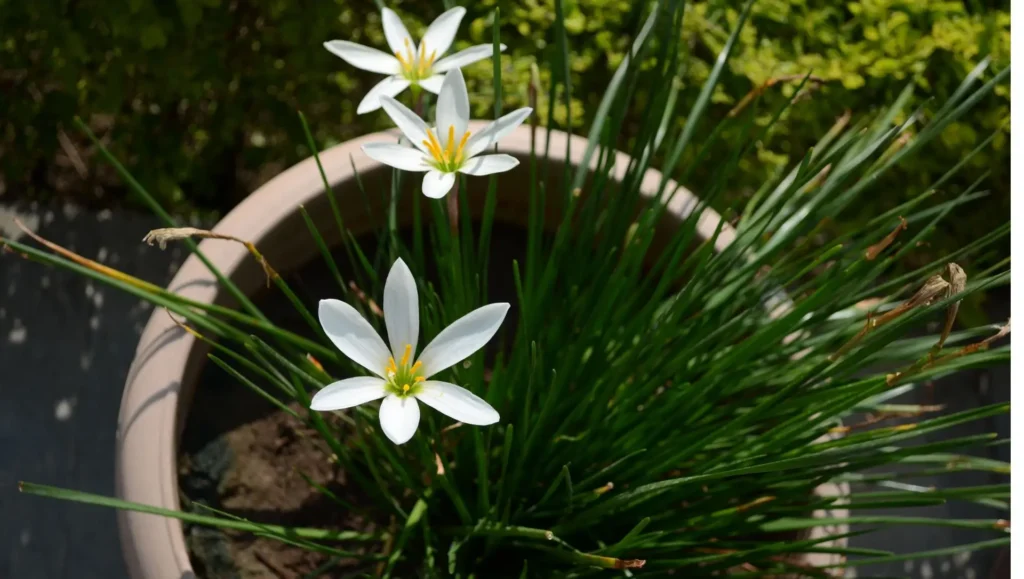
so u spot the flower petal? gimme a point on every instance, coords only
(390, 86)
(441, 33)
(437, 184)
(433, 84)
(487, 164)
(364, 57)
(401, 157)
(411, 125)
(401, 309)
(457, 402)
(399, 418)
(492, 133)
(394, 31)
(459, 340)
(464, 57)
(452, 107)
(348, 393)
(354, 336)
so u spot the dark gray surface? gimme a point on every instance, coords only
(65, 347)
(963, 391)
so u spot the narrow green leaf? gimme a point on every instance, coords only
(222, 523)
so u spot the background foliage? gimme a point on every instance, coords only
(199, 96)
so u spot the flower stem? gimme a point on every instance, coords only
(417, 100)
(453, 209)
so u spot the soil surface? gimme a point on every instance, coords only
(243, 456)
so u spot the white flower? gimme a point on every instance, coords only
(448, 148)
(404, 382)
(411, 64)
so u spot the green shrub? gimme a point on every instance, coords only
(200, 95)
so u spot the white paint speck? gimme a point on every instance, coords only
(85, 361)
(70, 211)
(101, 255)
(97, 299)
(64, 408)
(961, 559)
(26, 536)
(104, 215)
(89, 290)
(11, 231)
(970, 573)
(44, 281)
(18, 333)
(926, 570)
(94, 323)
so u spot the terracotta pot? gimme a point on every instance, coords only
(167, 362)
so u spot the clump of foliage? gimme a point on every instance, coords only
(202, 95)
(666, 407)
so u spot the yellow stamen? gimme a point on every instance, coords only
(430, 59)
(416, 366)
(422, 61)
(462, 146)
(434, 147)
(405, 388)
(405, 356)
(449, 151)
(420, 379)
(391, 365)
(430, 147)
(401, 60)
(408, 50)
